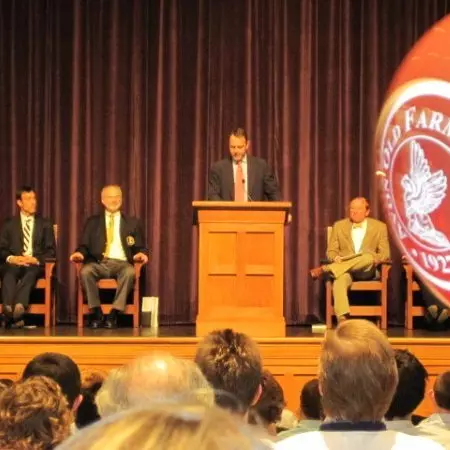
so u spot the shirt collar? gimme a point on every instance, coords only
(24, 217)
(108, 214)
(362, 224)
(243, 160)
(342, 425)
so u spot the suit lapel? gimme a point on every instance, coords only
(229, 177)
(123, 232)
(36, 232)
(347, 231)
(19, 235)
(250, 175)
(102, 230)
(367, 235)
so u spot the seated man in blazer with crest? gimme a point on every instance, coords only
(111, 242)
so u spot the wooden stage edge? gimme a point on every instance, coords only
(293, 359)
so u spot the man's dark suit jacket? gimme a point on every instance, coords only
(11, 239)
(262, 184)
(93, 241)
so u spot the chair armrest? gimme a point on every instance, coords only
(137, 269)
(49, 266)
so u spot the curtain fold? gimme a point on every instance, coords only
(144, 93)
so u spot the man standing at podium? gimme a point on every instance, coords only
(242, 177)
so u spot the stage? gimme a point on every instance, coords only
(292, 359)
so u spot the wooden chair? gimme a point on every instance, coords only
(376, 285)
(412, 286)
(110, 283)
(48, 308)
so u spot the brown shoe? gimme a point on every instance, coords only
(317, 272)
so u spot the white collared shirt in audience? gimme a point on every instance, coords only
(402, 425)
(436, 427)
(356, 440)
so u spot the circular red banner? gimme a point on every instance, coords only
(413, 149)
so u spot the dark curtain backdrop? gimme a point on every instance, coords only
(144, 93)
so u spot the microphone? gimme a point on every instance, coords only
(249, 197)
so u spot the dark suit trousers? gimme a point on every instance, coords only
(122, 271)
(17, 283)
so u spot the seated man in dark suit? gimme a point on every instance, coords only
(242, 177)
(111, 242)
(26, 241)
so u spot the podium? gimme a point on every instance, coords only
(241, 256)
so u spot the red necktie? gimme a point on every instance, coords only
(239, 191)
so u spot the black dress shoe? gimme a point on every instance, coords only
(96, 323)
(19, 311)
(111, 323)
(111, 320)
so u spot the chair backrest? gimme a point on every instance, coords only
(329, 231)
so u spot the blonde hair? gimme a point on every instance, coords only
(357, 372)
(34, 415)
(168, 426)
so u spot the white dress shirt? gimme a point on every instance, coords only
(116, 250)
(358, 234)
(356, 440)
(244, 173)
(437, 428)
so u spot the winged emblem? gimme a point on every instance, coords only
(423, 193)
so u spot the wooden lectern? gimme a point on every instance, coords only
(241, 256)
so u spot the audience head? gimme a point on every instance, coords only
(412, 380)
(162, 377)
(112, 396)
(441, 392)
(112, 198)
(238, 144)
(26, 200)
(311, 401)
(232, 364)
(358, 209)
(167, 426)
(269, 407)
(60, 368)
(5, 383)
(357, 372)
(34, 415)
(87, 412)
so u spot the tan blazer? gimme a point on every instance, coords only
(375, 240)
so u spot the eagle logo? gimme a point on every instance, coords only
(423, 193)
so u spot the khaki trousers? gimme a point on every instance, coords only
(359, 268)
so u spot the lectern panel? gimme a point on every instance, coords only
(222, 253)
(259, 247)
(258, 290)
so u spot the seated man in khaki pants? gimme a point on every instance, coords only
(357, 245)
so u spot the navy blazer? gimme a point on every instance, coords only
(11, 239)
(93, 241)
(262, 184)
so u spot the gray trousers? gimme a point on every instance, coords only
(122, 271)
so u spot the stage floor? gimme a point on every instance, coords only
(188, 331)
(292, 359)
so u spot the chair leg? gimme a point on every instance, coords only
(79, 306)
(329, 305)
(136, 311)
(47, 303)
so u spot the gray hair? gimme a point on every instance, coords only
(152, 379)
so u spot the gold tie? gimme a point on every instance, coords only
(357, 225)
(109, 235)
